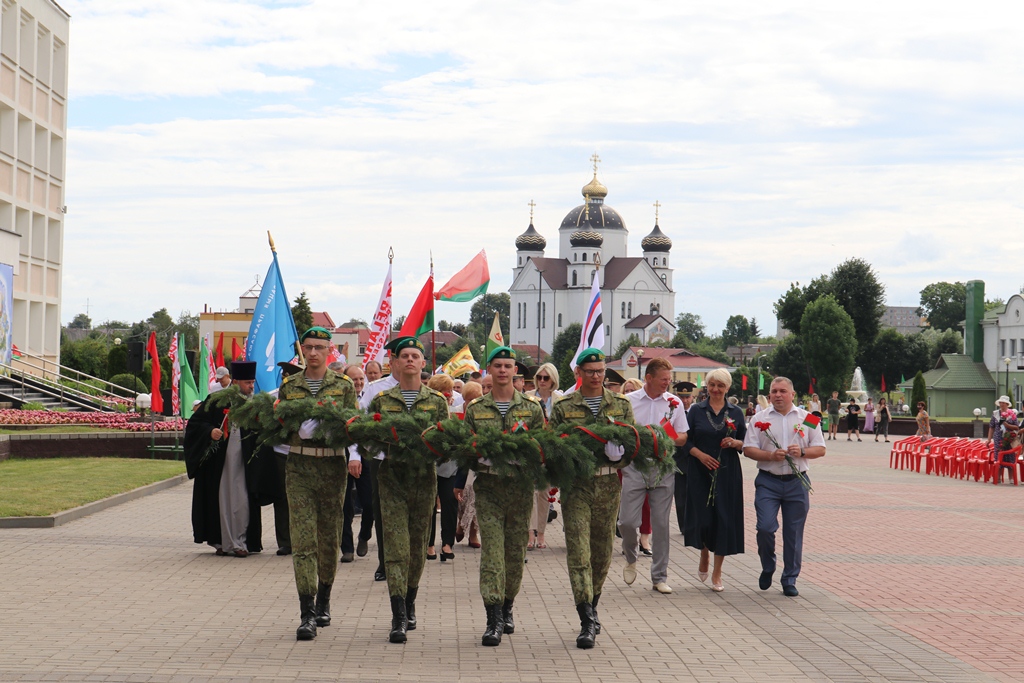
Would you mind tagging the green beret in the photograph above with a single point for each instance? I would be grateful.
(590, 355)
(501, 352)
(396, 345)
(315, 333)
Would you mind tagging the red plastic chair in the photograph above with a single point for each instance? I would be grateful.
(898, 453)
(999, 465)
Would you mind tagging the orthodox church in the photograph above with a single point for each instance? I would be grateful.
(549, 294)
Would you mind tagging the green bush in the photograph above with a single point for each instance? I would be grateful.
(91, 387)
(120, 407)
(919, 394)
(32, 405)
(117, 360)
(129, 383)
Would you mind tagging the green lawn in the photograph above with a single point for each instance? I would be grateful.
(44, 486)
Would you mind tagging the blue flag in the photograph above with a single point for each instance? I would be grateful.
(272, 334)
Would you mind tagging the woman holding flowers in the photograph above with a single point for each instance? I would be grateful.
(714, 478)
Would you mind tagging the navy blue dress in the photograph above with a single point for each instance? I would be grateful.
(716, 524)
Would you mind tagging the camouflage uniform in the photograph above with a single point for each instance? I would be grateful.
(502, 509)
(590, 507)
(315, 487)
(406, 497)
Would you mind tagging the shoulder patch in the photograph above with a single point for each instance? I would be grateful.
(476, 400)
(435, 392)
(291, 378)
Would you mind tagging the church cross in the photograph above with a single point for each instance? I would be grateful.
(657, 206)
(531, 205)
(596, 160)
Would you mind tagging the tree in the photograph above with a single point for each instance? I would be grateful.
(949, 341)
(919, 393)
(481, 315)
(709, 347)
(944, 304)
(187, 328)
(858, 291)
(917, 355)
(117, 360)
(397, 323)
(787, 360)
(562, 350)
(81, 322)
(737, 331)
(88, 356)
(755, 329)
(829, 343)
(889, 356)
(631, 340)
(302, 313)
(789, 309)
(991, 304)
(690, 326)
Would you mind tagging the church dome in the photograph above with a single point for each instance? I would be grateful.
(656, 241)
(586, 238)
(531, 240)
(595, 189)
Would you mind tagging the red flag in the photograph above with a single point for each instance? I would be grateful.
(156, 399)
(669, 429)
(810, 388)
(744, 382)
(220, 351)
(883, 382)
(421, 317)
(237, 352)
(812, 420)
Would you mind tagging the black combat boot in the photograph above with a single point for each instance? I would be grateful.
(307, 611)
(597, 622)
(323, 604)
(410, 609)
(495, 626)
(585, 640)
(506, 615)
(398, 625)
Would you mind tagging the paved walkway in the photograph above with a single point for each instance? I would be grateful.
(906, 578)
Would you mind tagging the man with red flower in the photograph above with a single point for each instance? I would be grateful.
(784, 438)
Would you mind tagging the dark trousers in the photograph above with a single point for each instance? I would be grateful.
(374, 469)
(680, 492)
(281, 504)
(348, 513)
(360, 490)
(449, 512)
(771, 495)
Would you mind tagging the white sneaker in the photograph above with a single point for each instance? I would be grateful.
(661, 587)
(629, 574)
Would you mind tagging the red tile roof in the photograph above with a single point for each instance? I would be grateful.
(323, 319)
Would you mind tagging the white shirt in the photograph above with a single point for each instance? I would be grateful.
(651, 411)
(369, 391)
(785, 430)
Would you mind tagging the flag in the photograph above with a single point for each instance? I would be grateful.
(209, 359)
(237, 352)
(204, 370)
(156, 399)
(272, 334)
(669, 429)
(883, 382)
(903, 380)
(468, 283)
(380, 326)
(189, 392)
(810, 387)
(175, 376)
(700, 380)
(744, 383)
(220, 351)
(421, 317)
(812, 420)
(16, 352)
(494, 339)
(461, 363)
(760, 381)
(593, 326)
(333, 355)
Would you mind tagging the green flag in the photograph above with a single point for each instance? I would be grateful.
(760, 381)
(187, 386)
(204, 370)
(903, 380)
(494, 339)
(700, 380)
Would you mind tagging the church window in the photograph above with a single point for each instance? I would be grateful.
(664, 278)
(629, 311)
(574, 278)
(584, 257)
(519, 315)
(575, 256)
(655, 260)
(623, 309)
(654, 309)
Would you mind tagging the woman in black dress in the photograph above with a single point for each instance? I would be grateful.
(714, 478)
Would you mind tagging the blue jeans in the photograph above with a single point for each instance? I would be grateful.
(771, 494)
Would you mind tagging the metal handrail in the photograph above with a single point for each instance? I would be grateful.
(57, 390)
(112, 392)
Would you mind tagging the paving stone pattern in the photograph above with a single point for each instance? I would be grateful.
(906, 578)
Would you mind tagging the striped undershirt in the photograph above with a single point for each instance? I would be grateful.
(314, 385)
(503, 406)
(410, 396)
(594, 403)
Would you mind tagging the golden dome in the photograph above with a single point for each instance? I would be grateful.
(594, 189)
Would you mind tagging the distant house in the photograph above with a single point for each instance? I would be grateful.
(686, 365)
(956, 386)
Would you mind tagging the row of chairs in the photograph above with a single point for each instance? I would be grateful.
(957, 457)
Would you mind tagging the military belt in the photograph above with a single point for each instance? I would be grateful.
(317, 452)
(601, 471)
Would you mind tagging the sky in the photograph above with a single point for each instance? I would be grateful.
(779, 138)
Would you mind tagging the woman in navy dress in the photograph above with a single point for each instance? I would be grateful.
(714, 478)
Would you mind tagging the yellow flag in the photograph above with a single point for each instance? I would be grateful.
(461, 363)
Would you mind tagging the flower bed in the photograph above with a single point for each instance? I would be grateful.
(119, 421)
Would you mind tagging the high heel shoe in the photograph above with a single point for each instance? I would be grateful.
(703, 576)
(717, 587)
(447, 556)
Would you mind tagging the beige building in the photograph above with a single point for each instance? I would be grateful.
(33, 120)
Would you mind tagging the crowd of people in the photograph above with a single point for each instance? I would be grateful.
(317, 491)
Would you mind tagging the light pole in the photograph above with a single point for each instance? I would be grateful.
(639, 362)
(540, 284)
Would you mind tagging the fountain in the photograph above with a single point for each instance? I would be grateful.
(856, 390)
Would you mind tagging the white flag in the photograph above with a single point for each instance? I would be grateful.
(593, 325)
(380, 326)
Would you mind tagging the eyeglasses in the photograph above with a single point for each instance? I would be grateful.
(542, 378)
(593, 373)
(317, 348)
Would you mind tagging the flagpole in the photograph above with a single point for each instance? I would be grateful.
(433, 326)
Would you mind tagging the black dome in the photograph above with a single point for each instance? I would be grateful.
(656, 241)
(531, 240)
(602, 217)
(586, 238)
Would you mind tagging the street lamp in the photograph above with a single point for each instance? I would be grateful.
(639, 361)
(1007, 361)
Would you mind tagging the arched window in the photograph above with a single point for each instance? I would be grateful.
(575, 256)
(655, 260)
(520, 260)
(629, 311)
(584, 257)
(623, 309)
(574, 278)
(664, 278)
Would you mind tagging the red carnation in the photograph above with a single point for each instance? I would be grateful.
(376, 417)
(763, 426)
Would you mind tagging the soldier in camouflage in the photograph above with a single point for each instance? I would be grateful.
(315, 479)
(590, 507)
(503, 506)
(407, 495)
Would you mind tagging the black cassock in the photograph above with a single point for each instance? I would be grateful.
(260, 477)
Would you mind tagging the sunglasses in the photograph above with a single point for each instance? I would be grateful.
(542, 378)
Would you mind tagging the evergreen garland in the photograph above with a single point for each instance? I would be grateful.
(595, 435)
(566, 459)
(397, 435)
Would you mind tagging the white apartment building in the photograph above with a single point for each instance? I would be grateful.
(33, 148)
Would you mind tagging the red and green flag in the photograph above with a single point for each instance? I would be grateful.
(812, 420)
(468, 283)
(421, 317)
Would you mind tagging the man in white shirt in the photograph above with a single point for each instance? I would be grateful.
(777, 485)
(222, 381)
(652, 405)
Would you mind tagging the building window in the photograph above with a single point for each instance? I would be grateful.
(584, 258)
(538, 314)
(1002, 348)
(629, 311)
(520, 260)
(362, 349)
(574, 256)
(655, 260)
(1013, 347)
(574, 278)
(664, 279)
(623, 309)
(559, 319)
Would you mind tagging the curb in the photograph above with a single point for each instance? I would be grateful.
(60, 518)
